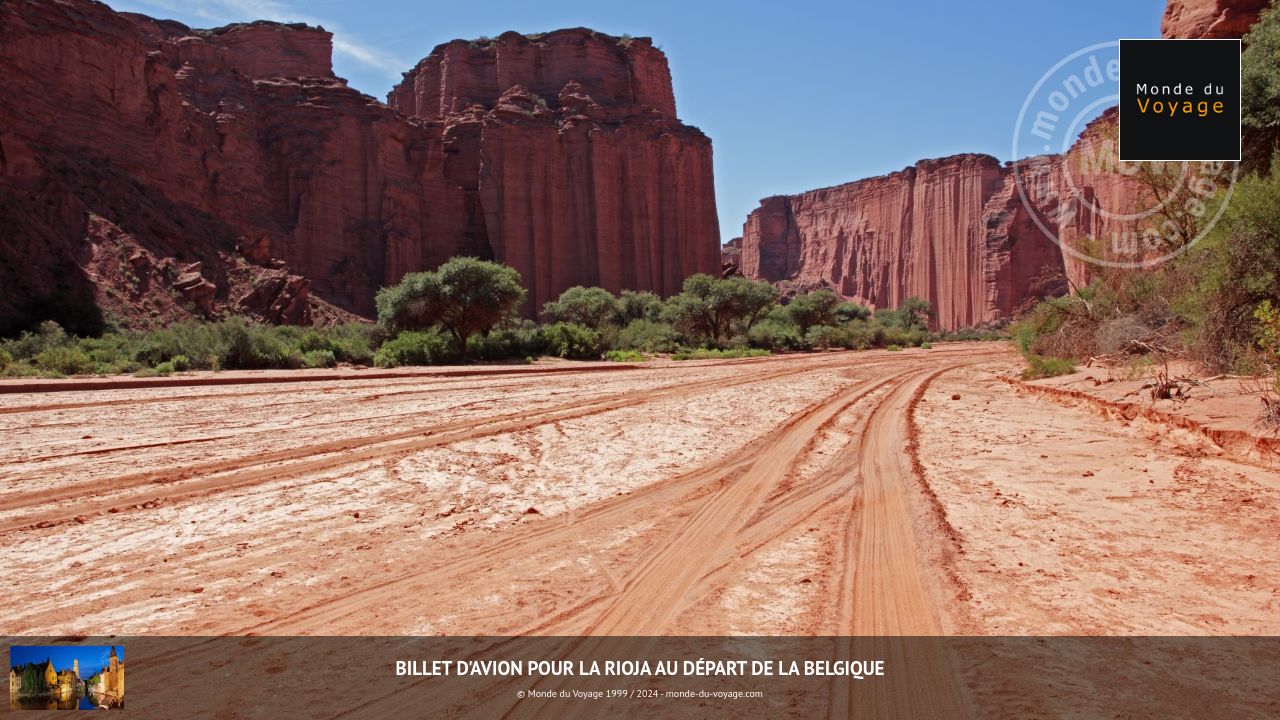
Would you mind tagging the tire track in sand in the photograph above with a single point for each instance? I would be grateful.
(227, 474)
(884, 601)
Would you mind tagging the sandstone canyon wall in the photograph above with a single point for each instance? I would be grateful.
(955, 231)
(1210, 18)
(570, 145)
(160, 172)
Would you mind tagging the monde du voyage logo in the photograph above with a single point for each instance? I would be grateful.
(1144, 187)
(1180, 100)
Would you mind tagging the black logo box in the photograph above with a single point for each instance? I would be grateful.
(1196, 63)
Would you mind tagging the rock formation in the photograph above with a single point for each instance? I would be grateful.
(153, 171)
(1210, 18)
(569, 145)
(952, 231)
(955, 231)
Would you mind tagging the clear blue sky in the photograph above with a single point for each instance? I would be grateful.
(92, 657)
(795, 95)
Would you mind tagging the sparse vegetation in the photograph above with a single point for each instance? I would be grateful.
(466, 310)
(1046, 367)
(719, 354)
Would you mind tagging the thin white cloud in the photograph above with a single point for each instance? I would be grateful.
(222, 12)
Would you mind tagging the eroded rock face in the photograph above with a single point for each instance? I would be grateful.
(238, 148)
(569, 147)
(954, 231)
(1210, 18)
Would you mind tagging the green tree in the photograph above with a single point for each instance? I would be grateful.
(1234, 269)
(590, 307)
(850, 311)
(916, 313)
(709, 306)
(814, 308)
(465, 296)
(1260, 85)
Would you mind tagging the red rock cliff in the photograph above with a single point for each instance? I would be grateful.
(157, 171)
(954, 231)
(1210, 18)
(569, 145)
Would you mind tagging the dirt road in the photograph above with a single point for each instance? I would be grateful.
(873, 493)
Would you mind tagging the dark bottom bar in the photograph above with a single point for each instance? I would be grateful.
(686, 677)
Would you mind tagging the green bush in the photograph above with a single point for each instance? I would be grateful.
(165, 368)
(568, 340)
(181, 363)
(894, 348)
(823, 337)
(926, 346)
(642, 305)
(775, 333)
(426, 347)
(648, 336)
(65, 360)
(30, 344)
(5, 359)
(624, 356)
(253, 347)
(1039, 366)
(513, 339)
(319, 359)
(718, 354)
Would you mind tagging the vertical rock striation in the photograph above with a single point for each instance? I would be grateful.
(569, 145)
(133, 149)
(956, 231)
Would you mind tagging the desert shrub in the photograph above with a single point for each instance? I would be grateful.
(248, 346)
(165, 368)
(648, 336)
(1235, 268)
(860, 335)
(1120, 333)
(926, 346)
(354, 342)
(5, 359)
(65, 360)
(113, 353)
(1039, 366)
(319, 359)
(181, 363)
(426, 347)
(773, 333)
(28, 345)
(590, 307)
(624, 356)
(902, 337)
(568, 340)
(894, 348)
(643, 305)
(511, 340)
(719, 354)
(823, 337)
